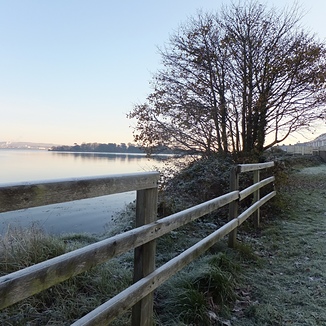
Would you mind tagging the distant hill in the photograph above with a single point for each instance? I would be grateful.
(25, 145)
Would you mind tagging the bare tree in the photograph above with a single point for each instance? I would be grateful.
(232, 80)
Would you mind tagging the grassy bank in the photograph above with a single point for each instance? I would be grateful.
(275, 276)
(289, 287)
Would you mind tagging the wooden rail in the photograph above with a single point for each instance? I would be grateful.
(14, 196)
(16, 286)
(255, 188)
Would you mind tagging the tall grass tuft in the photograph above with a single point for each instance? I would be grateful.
(203, 289)
(65, 302)
(20, 248)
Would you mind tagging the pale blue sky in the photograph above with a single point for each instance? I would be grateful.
(70, 70)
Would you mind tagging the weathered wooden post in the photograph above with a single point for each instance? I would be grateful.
(144, 256)
(256, 198)
(233, 207)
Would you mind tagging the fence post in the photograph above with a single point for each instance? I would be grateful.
(144, 256)
(256, 198)
(233, 207)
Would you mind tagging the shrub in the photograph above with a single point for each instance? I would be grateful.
(201, 180)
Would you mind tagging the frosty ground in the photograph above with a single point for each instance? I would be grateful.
(288, 287)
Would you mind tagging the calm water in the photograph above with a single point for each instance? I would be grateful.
(89, 215)
(29, 165)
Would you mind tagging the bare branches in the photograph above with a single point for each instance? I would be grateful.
(229, 80)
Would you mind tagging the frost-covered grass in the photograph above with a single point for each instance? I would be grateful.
(274, 277)
(289, 288)
(206, 288)
(200, 293)
(320, 169)
(69, 300)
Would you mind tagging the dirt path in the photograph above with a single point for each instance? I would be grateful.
(288, 287)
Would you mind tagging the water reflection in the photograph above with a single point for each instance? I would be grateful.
(114, 156)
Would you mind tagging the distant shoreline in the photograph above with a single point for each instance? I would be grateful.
(114, 148)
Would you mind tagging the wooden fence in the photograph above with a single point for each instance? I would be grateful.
(19, 285)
